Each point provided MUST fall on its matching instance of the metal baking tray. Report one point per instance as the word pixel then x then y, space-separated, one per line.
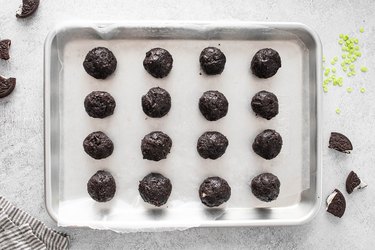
pixel 68 168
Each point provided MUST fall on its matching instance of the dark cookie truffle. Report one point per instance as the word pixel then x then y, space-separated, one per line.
pixel 4 49
pixel 212 145
pixel 99 104
pixel 156 103
pixel 158 62
pixel 213 105
pixel 212 61
pixel 156 146
pixel 7 86
pixel 100 63
pixel 353 182
pixel 265 63
pixel 155 189
pixel 268 144
pixel 266 187
pixel 214 191
pixel 27 8
pixel 265 104
pixel 336 203
pixel 340 143
pixel 98 145
pixel 101 186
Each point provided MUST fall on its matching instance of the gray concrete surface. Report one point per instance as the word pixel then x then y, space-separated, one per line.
pixel 21 119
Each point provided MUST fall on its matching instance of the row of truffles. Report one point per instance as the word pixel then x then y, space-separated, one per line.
pixel 156 145
pixel 100 62
pixel 155 188
pixel 157 102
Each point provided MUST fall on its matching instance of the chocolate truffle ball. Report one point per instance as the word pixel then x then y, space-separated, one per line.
pixel 98 145
pixel 214 191
pixel 156 146
pixel 99 104
pixel 100 63
pixel 158 62
pixel 268 144
pixel 266 187
pixel 212 145
pixel 213 105
pixel 155 189
pixel 156 103
pixel 265 63
pixel 101 186
pixel 212 61
pixel 265 104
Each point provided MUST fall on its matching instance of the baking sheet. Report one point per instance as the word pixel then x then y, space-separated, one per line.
pixel 184 124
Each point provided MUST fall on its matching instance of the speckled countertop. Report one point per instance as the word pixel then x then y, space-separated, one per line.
pixel 21 119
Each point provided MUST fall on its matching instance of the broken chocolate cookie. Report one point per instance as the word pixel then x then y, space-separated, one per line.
pixel 340 143
pixel 336 203
pixel 27 8
pixel 4 49
pixel 7 86
pixel 353 183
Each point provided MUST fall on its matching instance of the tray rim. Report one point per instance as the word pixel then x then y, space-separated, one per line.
pixel 183 24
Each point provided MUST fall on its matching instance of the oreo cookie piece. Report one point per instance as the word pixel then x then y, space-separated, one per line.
pixel 268 144
pixel 212 60
pixel 340 143
pixel 155 146
pixel 156 103
pixel 100 63
pixel 158 62
pixel 212 145
pixel 99 104
pixel 213 105
pixel 27 8
pixel 265 104
pixel 101 186
pixel 265 63
pixel 4 49
pixel 266 187
pixel 353 183
pixel 336 203
pixel 155 189
pixel 98 145
pixel 7 86
pixel 214 191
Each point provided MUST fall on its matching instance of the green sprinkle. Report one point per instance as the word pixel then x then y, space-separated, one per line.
pixel 364 69
pixel 333 70
pixel 347 61
pixel 325 89
pixel 362 90
pixel 341 35
pixel 356 47
pixel 345 68
pixel 333 62
pixel 351 66
pixel 356 41
pixel 349 90
pixel 335 59
pixel 341 41
pixel 349 74
pixel 338 111
pixel 343 56
pixel 357 53
pixel 346 37
pixel 361 29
